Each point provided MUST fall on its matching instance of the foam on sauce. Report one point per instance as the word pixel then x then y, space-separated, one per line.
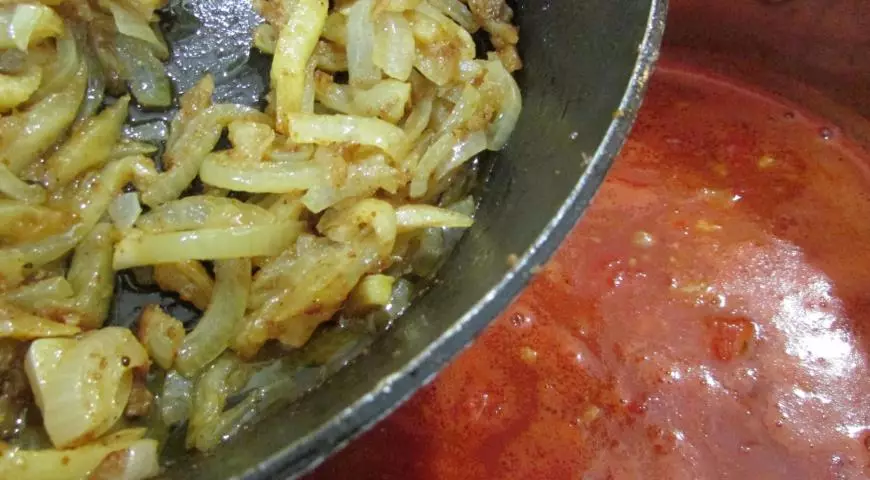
pixel 708 318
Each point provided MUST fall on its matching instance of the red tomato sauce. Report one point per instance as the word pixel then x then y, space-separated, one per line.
pixel 708 318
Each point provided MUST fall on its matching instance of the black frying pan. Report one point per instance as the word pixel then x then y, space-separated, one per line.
pixel 586 67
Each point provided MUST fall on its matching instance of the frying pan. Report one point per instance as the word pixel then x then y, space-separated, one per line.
pixel 586 67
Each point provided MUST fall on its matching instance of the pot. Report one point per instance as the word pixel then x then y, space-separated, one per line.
pixel 811 52
pixel 586 67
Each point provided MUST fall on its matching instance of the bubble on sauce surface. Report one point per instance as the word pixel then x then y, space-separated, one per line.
pixel 826 133
pixel 521 317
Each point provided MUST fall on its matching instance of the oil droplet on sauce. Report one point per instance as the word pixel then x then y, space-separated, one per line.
pixel 668 380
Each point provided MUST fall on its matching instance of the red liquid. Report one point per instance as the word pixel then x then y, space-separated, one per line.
pixel 708 318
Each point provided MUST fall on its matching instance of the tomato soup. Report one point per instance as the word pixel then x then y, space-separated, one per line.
pixel 708 318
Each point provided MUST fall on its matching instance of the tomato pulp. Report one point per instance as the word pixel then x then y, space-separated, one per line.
pixel 708 318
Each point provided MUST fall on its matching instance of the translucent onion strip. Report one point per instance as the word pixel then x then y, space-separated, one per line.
pixel 224 377
pixel 463 110
pixel 193 102
pixel 329 129
pixel 313 285
pixel 16 89
pixel 215 329
pixel 81 462
pixel 60 72
pixel 335 28
pixel 176 399
pixel 125 210
pixel 333 96
pixel 30 296
pixel 189 280
pixel 265 38
pixel 15 188
pixel 133 25
pixel 373 291
pixel 92 201
pixel 296 42
pixel 96 90
pixel 26 24
pixel 144 73
pixel 444 156
pixel 307 104
pixel 459 38
pixel 89 146
pixel 398 5
pixel 161 334
pixel 330 57
pixel 91 276
pixel 139 248
pixel 367 223
pixel 136 462
pixel 82 385
pixel 12 271
pixel 202 211
pixel 414 217
pixel 251 140
pixel 21 222
pixel 510 102
pixel 18 324
pixel 458 12
pixel 464 150
pixel 93 197
pixel 126 148
pixel 364 178
pixel 187 151
pixel 362 70
pixel 34 130
pixel 394 46
pixel 386 99
pixel 260 177
pixel 418 119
